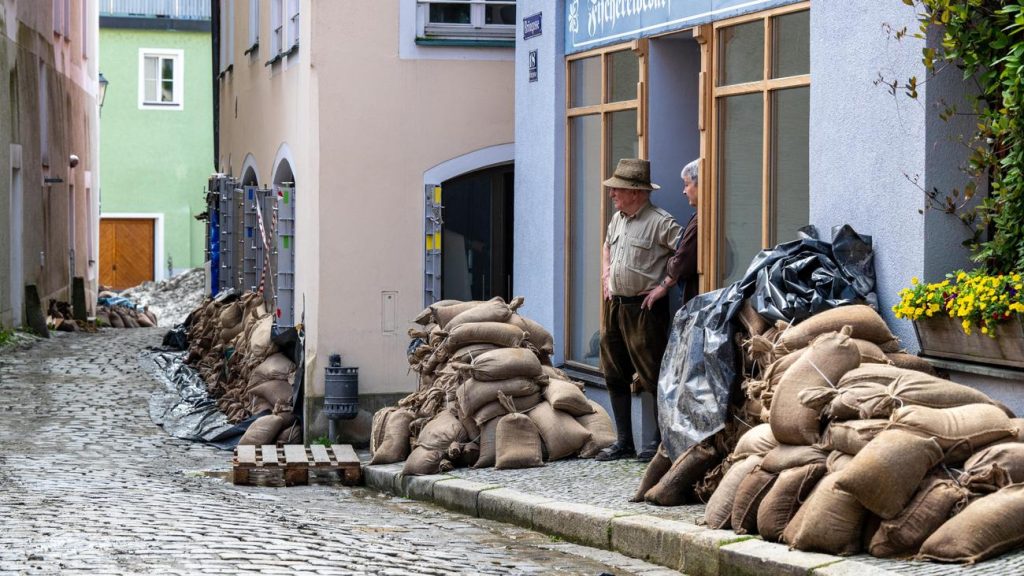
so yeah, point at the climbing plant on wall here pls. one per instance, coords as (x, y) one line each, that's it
(985, 40)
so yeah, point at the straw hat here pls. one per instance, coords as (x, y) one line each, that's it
(632, 174)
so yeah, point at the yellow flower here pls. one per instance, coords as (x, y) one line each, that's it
(914, 280)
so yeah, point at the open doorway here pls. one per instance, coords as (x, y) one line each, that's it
(478, 234)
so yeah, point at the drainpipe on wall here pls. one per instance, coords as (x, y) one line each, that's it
(215, 35)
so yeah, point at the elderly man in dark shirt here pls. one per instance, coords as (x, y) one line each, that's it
(682, 266)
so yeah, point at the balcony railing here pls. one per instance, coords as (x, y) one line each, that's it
(177, 9)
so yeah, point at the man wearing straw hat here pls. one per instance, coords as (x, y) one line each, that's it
(641, 237)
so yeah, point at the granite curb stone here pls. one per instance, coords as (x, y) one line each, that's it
(460, 495)
(510, 506)
(695, 550)
(755, 557)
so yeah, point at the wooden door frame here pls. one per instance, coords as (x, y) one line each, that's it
(602, 110)
(158, 235)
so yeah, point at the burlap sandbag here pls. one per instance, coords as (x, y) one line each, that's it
(394, 446)
(562, 434)
(556, 374)
(866, 324)
(538, 335)
(837, 460)
(827, 359)
(567, 397)
(910, 362)
(988, 527)
(490, 311)
(494, 409)
(785, 456)
(263, 430)
(488, 444)
(441, 431)
(230, 315)
(273, 391)
(994, 467)
(275, 367)
(753, 323)
(882, 374)
(886, 473)
(497, 333)
(840, 403)
(443, 314)
(467, 354)
(785, 497)
(423, 461)
(502, 364)
(1018, 423)
(851, 436)
(601, 428)
(960, 430)
(830, 521)
(676, 486)
(655, 470)
(517, 441)
(914, 388)
(380, 419)
(759, 440)
(749, 495)
(474, 394)
(260, 345)
(870, 353)
(935, 501)
(718, 512)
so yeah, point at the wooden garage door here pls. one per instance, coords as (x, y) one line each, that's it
(126, 252)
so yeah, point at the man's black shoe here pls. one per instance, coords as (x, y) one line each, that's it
(615, 452)
(647, 454)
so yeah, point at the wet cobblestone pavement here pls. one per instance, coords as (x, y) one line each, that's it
(88, 484)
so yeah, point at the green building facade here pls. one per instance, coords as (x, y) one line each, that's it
(156, 142)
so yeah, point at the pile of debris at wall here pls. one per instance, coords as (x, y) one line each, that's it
(487, 396)
(840, 443)
(230, 345)
(169, 300)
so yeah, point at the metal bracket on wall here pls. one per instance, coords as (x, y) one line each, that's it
(434, 212)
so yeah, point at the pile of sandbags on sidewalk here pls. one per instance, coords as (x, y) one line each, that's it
(230, 346)
(487, 396)
(125, 317)
(862, 455)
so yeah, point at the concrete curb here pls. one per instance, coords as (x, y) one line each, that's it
(692, 549)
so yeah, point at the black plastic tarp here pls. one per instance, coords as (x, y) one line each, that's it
(183, 407)
(790, 282)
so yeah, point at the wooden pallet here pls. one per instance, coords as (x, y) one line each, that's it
(296, 465)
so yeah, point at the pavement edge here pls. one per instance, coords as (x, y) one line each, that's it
(695, 550)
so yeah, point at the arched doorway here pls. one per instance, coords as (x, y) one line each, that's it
(477, 234)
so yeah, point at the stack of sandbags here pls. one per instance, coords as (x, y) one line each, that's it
(124, 317)
(770, 351)
(863, 459)
(485, 380)
(230, 346)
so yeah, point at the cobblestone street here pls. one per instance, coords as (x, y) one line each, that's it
(88, 484)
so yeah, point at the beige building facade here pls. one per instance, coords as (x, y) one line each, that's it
(364, 106)
(49, 196)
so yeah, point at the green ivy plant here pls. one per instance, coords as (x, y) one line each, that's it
(984, 39)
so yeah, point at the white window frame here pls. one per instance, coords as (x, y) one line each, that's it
(227, 35)
(254, 26)
(84, 22)
(179, 78)
(476, 29)
(276, 27)
(62, 18)
(292, 24)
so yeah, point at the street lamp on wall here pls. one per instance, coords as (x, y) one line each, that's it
(103, 90)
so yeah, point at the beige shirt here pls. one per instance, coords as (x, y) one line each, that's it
(640, 246)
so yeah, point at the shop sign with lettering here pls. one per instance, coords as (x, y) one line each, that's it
(594, 23)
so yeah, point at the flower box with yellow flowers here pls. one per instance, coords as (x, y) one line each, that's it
(970, 316)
